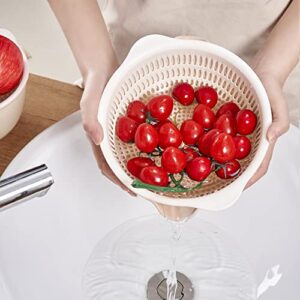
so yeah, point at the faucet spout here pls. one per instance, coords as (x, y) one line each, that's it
(24, 186)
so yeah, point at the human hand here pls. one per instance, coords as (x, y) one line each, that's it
(89, 107)
(273, 64)
(280, 123)
(96, 60)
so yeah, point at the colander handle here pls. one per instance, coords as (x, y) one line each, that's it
(191, 37)
(155, 41)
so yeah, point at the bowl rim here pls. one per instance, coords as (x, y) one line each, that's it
(22, 83)
(219, 199)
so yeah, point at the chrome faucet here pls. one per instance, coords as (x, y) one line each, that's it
(24, 186)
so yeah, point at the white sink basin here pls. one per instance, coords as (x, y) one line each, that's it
(45, 243)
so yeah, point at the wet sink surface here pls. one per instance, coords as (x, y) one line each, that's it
(45, 243)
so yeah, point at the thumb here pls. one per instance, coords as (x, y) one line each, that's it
(93, 129)
(276, 129)
(90, 122)
(279, 108)
(89, 106)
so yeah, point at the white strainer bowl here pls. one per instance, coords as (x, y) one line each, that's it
(153, 66)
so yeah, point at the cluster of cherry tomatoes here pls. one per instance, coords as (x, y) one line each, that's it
(207, 142)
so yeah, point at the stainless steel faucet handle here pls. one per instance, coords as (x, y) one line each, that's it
(24, 186)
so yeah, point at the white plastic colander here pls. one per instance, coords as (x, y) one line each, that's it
(154, 65)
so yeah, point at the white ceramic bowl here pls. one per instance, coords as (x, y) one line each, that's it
(12, 107)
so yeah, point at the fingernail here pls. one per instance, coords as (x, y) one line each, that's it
(249, 183)
(131, 193)
(97, 140)
(272, 138)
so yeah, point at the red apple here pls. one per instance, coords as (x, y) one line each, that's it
(11, 65)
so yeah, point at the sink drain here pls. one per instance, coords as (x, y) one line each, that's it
(157, 287)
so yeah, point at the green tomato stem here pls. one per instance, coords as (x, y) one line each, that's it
(177, 189)
(177, 182)
(154, 154)
(150, 119)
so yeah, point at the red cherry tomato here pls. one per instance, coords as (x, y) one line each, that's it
(246, 121)
(154, 175)
(183, 93)
(159, 124)
(230, 170)
(160, 107)
(173, 160)
(190, 153)
(204, 116)
(146, 138)
(191, 131)
(229, 108)
(136, 164)
(222, 149)
(242, 146)
(169, 135)
(137, 111)
(227, 124)
(207, 96)
(125, 129)
(198, 168)
(206, 140)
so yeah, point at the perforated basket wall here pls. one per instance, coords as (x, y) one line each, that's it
(158, 74)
